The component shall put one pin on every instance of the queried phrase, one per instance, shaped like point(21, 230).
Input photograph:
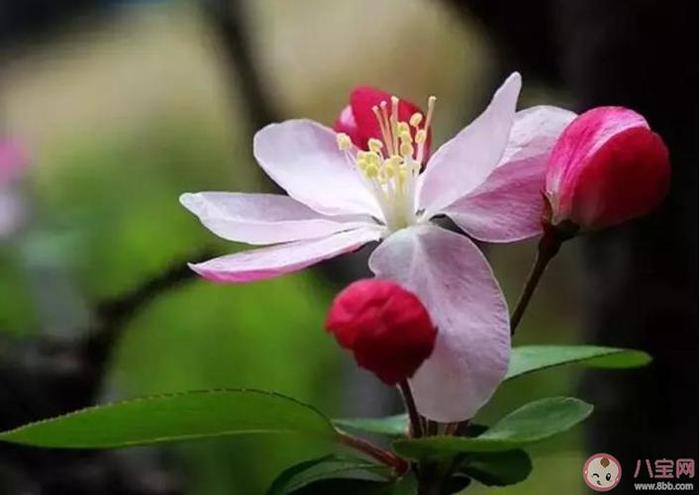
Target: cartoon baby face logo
point(602, 472)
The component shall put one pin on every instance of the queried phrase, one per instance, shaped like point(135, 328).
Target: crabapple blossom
point(488, 179)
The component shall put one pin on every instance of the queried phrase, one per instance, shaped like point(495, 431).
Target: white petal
point(465, 161)
point(273, 261)
point(508, 206)
point(264, 218)
point(453, 279)
point(302, 156)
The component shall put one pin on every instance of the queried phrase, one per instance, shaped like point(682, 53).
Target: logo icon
point(602, 472)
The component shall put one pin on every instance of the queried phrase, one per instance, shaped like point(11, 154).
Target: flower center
point(391, 165)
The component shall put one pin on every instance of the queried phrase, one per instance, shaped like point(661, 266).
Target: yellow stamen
point(375, 145)
point(371, 171)
point(416, 119)
point(395, 121)
point(344, 142)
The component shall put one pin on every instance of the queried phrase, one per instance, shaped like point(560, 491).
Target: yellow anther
point(406, 148)
point(375, 145)
point(394, 161)
point(389, 169)
point(371, 170)
point(343, 140)
point(362, 164)
point(416, 119)
point(406, 137)
point(421, 136)
point(373, 157)
point(403, 127)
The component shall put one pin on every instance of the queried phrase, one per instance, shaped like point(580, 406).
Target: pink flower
point(607, 167)
point(488, 179)
point(386, 327)
point(13, 161)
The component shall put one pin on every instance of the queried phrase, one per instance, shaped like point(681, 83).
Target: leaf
point(172, 417)
point(531, 423)
point(497, 468)
point(526, 359)
point(312, 472)
point(395, 426)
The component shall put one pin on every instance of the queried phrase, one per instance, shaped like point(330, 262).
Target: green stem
point(547, 249)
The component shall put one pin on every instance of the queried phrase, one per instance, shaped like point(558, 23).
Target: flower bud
point(359, 121)
point(386, 327)
point(606, 167)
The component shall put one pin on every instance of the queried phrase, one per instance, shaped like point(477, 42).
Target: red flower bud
point(360, 123)
point(386, 327)
point(607, 167)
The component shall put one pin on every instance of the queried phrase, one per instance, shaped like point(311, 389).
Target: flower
point(13, 161)
point(488, 179)
point(386, 327)
point(607, 167)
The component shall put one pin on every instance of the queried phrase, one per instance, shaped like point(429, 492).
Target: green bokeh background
point(123, 116)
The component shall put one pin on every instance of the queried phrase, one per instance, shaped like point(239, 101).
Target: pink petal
point(508, 206)
point(464, 162)
point(608, 167)
point(302, 156)
point(264, 218)
point(454, 281)
point(587, 135)
point(270, 262)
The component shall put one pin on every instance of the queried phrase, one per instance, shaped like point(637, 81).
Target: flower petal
point(508, 206)
point(588, 134)
point(302, 156)
point(464, 162)
point(264, 218)
point(454, 281)
point(273, 261)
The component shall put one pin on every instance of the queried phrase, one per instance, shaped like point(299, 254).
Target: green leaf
point(394, 426)
point(183, 416)
point(330, 467)
point(531, 423)
point(497, 468)
point(526, 359)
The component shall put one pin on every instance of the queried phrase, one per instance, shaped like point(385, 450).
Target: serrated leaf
point(315, 471)
point(531, 423)
point(527, 359)
point(497, 468)
point(172, 417)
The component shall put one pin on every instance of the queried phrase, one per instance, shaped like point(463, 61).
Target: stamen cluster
point(391, 164)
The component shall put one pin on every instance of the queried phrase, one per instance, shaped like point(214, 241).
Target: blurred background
point(121, 106)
